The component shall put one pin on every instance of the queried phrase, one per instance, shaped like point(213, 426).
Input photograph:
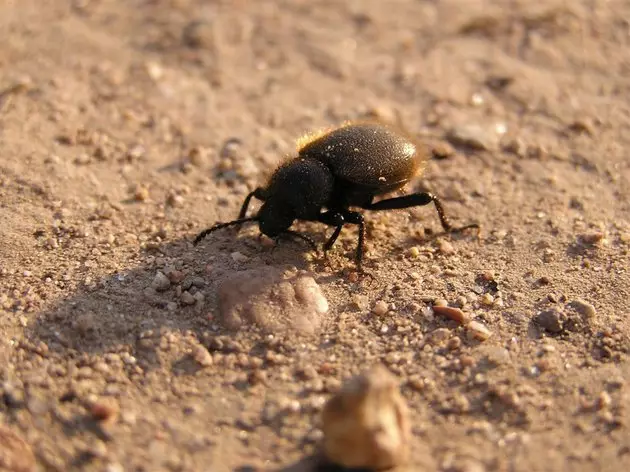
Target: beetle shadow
point(113, 312)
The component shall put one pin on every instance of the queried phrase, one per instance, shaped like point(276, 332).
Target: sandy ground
point(128, 126)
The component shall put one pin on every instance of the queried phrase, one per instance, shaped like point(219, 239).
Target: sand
point(126, 127)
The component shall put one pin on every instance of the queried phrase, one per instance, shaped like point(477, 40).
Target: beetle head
point(297, 190)
point(274, 218)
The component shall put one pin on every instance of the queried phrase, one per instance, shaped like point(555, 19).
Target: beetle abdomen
point(367, 154)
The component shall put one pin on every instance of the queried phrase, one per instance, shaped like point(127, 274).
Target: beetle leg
point(331, 218)
point(357, 219)
point(338, 219)
point(288, 234)
point(332, 238)
point(419, 199)
point(258, 193)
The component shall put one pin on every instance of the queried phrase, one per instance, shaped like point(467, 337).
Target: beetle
point(333, 171)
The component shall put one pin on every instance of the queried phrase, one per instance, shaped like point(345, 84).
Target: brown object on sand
point(366, 423)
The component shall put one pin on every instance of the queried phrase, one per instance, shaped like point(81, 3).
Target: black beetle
point(333, 171)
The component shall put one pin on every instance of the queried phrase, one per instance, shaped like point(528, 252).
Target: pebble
point(141, 194)
point(445, 247)
point(478, 331)
point(474, 136)
point(175, 200)
point(160, 282)
point(496, 355)
point(238, 257)
point(440, 302)
point(451, 313)
point(438, 336)
point(187, 298)
point(591, 238)
point(454, 343)
point(380, 308)
point(583, 308)
point(551, 320)
point(603, 401)
point(361, 302)
point(442, 150)
point(105, 411)
point(198, 35)
point(201, 356)
point(366, 424)
point(272, 301)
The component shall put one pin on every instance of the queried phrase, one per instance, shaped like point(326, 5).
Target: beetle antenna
point(206, 232)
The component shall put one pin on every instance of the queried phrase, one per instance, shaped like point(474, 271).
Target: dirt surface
point(128, 126)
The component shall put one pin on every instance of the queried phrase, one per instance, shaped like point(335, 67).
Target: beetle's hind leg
point(420, 199)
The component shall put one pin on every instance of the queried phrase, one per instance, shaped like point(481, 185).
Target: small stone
point(454, 343)
point(202, 357)
point(454, 314)
point(160, 282)
point(361, 302)
point(198, 35)
point(487, 299)
point(438, 336)
point(380, 308)
point(154, 70)
point(478, 331)
point(603, 401)
point(197, 156)
point(238, 257)
point(174, 200)
point(551, 320)
point(443, 150)
point(591, 238)
point(584, 308)
point(366, 424)
point(83, 159)
point(136, 152)
point(141, 194)
point(515, 146)
point(440, 302)
point(272, 300)
point(446, 247)
point(474, 136)
point(496, 355)
point(414, 252)
point(187, 298)
point(105, 411)
point(175, 276)
point(582, 125)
